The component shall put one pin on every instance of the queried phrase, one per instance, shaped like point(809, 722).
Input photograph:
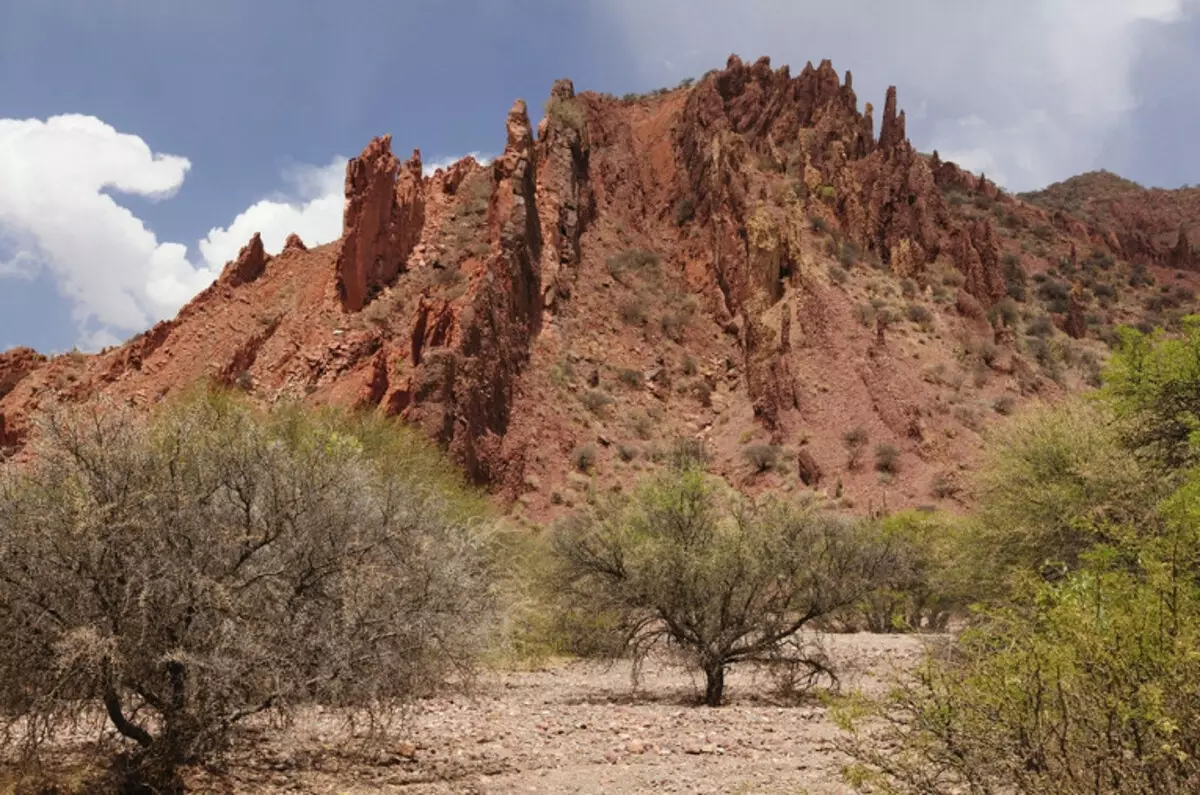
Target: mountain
point(739, 260)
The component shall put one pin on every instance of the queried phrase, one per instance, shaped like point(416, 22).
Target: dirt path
point(579, 727)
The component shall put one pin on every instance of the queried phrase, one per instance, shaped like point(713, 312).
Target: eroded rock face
point(382, 221)
point(249, 265)
point(15, 364)
point(470, 352)
point(885, 196)
point(563, 190)
point(294, 243)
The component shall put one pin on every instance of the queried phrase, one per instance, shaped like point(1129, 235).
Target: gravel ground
point(580, 727)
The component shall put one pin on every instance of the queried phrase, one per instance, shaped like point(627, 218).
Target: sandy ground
point(580, 727)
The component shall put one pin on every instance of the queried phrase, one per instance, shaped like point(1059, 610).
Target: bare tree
point(218, 563)
point(727, 581)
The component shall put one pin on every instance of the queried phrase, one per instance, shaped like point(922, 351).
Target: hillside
point(740, 260)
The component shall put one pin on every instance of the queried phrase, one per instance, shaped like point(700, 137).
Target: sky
point(142, 142)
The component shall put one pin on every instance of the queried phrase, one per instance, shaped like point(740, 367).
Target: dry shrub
point(183, 574)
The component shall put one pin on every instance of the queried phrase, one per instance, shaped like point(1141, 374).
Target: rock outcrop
point(382, 221)
point(563, 189)
point(249, 265)
point(483, 305)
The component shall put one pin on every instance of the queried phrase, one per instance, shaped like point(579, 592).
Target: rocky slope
point(740, 260)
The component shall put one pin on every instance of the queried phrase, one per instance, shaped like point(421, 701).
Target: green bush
point(668, 564)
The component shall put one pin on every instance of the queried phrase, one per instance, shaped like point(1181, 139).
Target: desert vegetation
point(1075, 669)
point(164, 582)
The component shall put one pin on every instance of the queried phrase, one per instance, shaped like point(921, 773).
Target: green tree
point(1084, 685)
point(1152, 384)
point(724, 580)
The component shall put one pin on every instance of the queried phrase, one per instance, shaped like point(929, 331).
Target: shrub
point(762, 457)
point(685, 210)
point(919, 314)
point(631, 378)
point(567, 112)
point(818, 224)
point(595, 401)
point(634, 263)
point(626, 452)
point(689, 365)
point(1004, 405)
point(855, 440)
point(668, 564)
point(848, 254)
point(583, 458)
point(929, 580)
point(1005, 310)
point(181, 575)
point(1041, 326)
point(1153, 384)
point(865, 313)
point(887, 458)
point(908, 288)
point(838, 275)
point(687, 453)
point(633, 311)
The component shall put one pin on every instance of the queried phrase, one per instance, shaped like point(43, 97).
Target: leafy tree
point(722, 580)
point(930, 578)
point(1084, 685)
point(1056, 481)
point(216, 563)
point(1153, 385)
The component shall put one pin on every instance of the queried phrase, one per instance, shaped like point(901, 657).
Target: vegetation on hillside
point(1077, 672)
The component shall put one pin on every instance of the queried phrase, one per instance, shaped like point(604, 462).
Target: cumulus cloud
point(61, 180)
point(445, 162)
point(311, 209)
point(1027, 90)
point(55, 213)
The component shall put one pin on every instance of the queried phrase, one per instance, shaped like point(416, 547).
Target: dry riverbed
point(580, 727)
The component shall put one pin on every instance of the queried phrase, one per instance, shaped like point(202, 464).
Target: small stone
point(636, 747)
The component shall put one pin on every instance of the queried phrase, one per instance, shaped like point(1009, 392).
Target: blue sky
point(130, 130)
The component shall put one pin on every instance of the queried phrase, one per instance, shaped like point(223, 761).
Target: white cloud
point(57, 213)
point(1028, 89)
point(313, 211)
point(445, 162)
point(54, 211)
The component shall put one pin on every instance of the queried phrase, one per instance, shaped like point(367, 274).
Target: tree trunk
point(714, 690)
